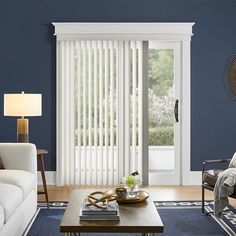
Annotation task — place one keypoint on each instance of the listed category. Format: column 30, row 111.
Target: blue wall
column 27, row 62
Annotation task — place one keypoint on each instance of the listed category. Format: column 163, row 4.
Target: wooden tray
column 142, row 196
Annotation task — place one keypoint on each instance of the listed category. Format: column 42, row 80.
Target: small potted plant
column 131, row 183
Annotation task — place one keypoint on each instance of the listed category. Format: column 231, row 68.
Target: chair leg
column 203, row 200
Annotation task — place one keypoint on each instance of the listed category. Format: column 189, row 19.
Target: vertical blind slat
column 78, row 179
column 71, row 108
column 105, row 44
column 120, row 92
column 95, row 112
column 117, row 179
column 111, row 176
column 84, row 114
column 64, row 111
column 127, row 107
column 90, row 110
column 134, row 115
column 67, row 76
column 140, row 97
column 69, row 62
column 101, row 110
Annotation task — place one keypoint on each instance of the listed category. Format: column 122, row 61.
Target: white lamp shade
column 22, row 104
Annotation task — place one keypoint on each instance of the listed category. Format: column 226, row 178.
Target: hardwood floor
column 160, row 193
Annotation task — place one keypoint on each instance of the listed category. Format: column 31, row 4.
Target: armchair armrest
column 217, row 161
column 19, row 156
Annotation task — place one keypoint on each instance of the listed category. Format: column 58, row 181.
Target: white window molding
column 178, row 31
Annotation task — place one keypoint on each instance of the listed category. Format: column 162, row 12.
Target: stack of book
column 93, row 213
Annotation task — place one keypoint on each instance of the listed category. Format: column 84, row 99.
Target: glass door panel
column 163, row 78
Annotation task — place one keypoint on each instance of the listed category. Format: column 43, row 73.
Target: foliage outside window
column 161, row 101
column 161, row 97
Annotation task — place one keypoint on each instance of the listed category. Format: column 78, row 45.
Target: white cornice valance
column 133, row 31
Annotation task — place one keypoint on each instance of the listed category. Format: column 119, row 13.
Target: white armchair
column 18, row 187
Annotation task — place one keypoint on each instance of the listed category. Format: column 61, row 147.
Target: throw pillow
column 1, row 164
column 232, row 163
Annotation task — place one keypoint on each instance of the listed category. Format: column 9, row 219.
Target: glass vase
column 132, row 191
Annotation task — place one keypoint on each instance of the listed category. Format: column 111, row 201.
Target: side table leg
column 42, row 169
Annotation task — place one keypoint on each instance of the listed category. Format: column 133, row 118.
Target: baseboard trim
column 195, row 178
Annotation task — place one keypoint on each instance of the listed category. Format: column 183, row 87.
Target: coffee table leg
column 72, row 234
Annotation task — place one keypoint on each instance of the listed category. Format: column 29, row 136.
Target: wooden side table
column 40, row 156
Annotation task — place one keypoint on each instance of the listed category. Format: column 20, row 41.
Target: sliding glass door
column 164, row 104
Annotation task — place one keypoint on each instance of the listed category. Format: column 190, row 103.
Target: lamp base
column 22, row 130
column 22, row 138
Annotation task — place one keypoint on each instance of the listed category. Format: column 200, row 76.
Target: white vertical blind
column 99, row 85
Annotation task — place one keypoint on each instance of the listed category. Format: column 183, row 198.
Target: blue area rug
column 183, row 218
column 186, row 218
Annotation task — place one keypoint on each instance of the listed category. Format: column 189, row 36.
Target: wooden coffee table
column 134, row 218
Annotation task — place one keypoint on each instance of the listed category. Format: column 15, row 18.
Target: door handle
column 176, row 110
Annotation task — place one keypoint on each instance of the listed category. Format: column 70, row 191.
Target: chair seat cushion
column 210, row 176
column 21, row 178
column 10, row 198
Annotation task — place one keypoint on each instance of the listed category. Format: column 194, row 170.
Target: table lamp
column 22, row 104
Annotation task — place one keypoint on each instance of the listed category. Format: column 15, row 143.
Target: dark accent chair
column 209, row 178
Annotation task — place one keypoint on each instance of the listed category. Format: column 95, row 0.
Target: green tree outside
column 161, row 97
column 161, row 100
